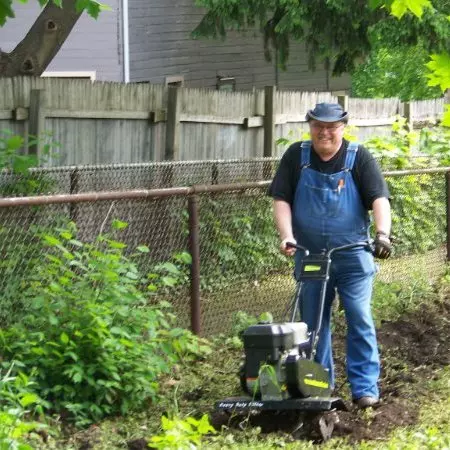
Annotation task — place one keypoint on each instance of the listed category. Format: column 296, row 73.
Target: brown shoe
column 366, row 402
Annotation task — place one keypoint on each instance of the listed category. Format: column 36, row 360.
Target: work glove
column 382, row 245
column 288, row 251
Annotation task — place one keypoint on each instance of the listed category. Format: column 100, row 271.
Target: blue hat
column 327, row 112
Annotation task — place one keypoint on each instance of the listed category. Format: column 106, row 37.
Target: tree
column 341, row 33
column 397, row 72
column 338, row 31
column 439, row 65
column 44, row 39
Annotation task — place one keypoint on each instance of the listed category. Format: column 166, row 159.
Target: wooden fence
column 103, row 123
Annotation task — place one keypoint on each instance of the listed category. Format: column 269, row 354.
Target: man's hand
column 288, row 251
column 383, row 245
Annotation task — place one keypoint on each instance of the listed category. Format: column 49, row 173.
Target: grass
column 191, row 390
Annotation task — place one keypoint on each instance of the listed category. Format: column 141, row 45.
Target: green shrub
column 418, row 212
column 435, row 143
column 19, row 249
column 95, row 343
column 418, row 201
column 16, row 177
column 17, row 401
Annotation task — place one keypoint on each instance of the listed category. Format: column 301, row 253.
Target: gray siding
column 161, row 46
column 93, row 45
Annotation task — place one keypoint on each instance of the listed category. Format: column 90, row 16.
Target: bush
column 16, row 177
column 17, row 401
column 418, row 201
column 96, row 345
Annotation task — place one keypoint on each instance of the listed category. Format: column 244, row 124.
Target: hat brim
column 310, row 115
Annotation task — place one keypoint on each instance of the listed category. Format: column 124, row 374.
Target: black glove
column 382, row 246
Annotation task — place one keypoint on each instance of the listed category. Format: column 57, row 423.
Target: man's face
column 326, row 136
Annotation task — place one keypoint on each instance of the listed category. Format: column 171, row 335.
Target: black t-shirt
column 366, row 173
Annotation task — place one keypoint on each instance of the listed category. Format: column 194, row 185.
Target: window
column 87, row 75
column 226, row 84
column 176, row 81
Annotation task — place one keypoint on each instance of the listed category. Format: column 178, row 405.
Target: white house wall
column 92, row 46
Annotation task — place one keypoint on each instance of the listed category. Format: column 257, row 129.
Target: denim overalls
column 328, row 212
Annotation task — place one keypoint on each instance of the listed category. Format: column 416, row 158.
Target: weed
column 97, row 346
column 181, row 434
column 17, row 401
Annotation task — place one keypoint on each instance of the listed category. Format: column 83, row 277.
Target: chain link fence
column 119, row 177
column 240, row 267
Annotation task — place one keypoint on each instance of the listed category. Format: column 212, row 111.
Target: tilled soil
column 413, row 349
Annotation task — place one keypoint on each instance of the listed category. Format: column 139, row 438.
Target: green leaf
column 170, row 268
column 77, row 377
column 440, row 70
column 374, row 4
column 119, row 225
column 21, row 164
column 169, row 281
column 29, row 399
column 14, row 142
column 53, row 320
column 400, row 7
column 143, row 249
column 76, row 243
column 446, row 118
column 5, row 11
column 51, row 240
column 64, row 338
column 184, row 257
column 117, row 245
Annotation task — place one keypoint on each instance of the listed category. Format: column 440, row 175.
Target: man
column 322, row 192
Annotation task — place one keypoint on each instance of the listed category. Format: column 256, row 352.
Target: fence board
column 104, row 123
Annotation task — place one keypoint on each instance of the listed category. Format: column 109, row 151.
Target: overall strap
column 305, row 154
column 351, row 155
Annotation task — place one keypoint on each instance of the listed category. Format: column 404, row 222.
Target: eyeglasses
column 331, row 128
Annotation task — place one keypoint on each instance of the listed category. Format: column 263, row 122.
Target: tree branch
column 35, row 52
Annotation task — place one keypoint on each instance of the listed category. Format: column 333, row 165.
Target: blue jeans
column 351, row 275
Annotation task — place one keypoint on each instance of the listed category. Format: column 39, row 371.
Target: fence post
column 343, row 101
column 269, row 120
column 36, row 119
column 194, row 249
column 447, row 191
column 74, row 189
column 215, row 174
column 171, row 151
column 269, row 128
column 408, row 113
column 172, row 125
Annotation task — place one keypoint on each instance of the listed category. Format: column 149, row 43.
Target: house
column 149, row 41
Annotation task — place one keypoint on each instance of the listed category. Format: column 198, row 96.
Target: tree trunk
column 35, row 52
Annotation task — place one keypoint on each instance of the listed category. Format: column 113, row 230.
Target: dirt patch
column 413, row 349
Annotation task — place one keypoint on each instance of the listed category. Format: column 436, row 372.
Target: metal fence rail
column 227, row 229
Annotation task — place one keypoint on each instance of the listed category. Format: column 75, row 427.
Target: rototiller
column 279, row 372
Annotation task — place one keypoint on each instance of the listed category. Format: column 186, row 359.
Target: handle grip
column 298, row 247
